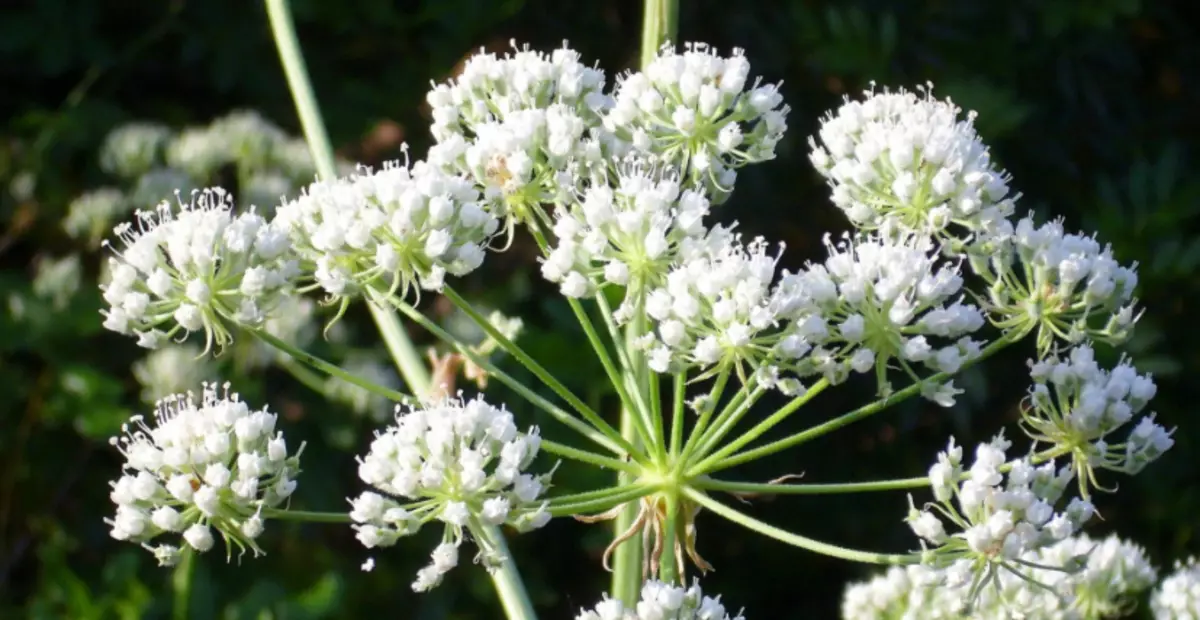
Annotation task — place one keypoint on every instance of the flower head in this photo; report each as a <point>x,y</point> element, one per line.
<point>389,230</point>
<point>662,601</point>
<point>1075,405</point>
<point>200,465</point>
<point>695,111</point>
<point>458,462</point>
<point>133,149</point>
<point>194,269</point>
<point>1178,596</point>
<point>908,161</point>
<point>1066,286</point>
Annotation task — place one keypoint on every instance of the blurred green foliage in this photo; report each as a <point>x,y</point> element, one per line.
<point>1090,105</point>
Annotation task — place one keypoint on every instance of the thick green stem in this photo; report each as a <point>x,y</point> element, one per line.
<point>408,361</point>
<point>332,369</point>
<point>181,585</point>
<point>506,578</point>
<point>803,542</point>
<point>668,570</point>
<point>660,24</point>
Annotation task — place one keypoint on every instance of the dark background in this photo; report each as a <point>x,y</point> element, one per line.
<point>1092,106</point>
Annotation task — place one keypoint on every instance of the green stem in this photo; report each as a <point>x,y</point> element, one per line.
<point>307,516</point>
<point>408,361</point>
<point>660,22</point>
<point>599,494</point>
<point>706,465</point>
<point>668,570</point>
<point>588,457</point>
<point>803,542</point>
<point>332,369</point>
<point>677,406</point>
<point>628,497</point>
<point>767,488</point>
<point>615,443</point>
<point>304,374</point>
<point>181,585</point>
<point>507,579</point>
<point>738,406</point>
<point>710,405</point>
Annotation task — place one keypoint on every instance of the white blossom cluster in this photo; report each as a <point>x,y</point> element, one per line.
<point>518,125</point>
<point>388,230</point>
<point>722,307</point>
<point>1178,596</point>
<point>1102,580</point>
<point>171,370</point>
<point>662,601</point>
<point>627,235</point>
<point>244,137</point>
<point>1065,286</point>
<point>195,268</point>
<point>200,465</point>
<point>1075,404</point>
<point>907,160</point>
<point>458,462</point>
<point>133,149</point>
<point>997,516</point>
<point>91,214</point>
<point>694,111</point>
<point>876,299</point>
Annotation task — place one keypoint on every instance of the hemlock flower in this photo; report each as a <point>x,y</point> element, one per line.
<point>519,125</point>
<point>172,370</point>
<point>996,516</point>
<point>1102,580</point>
<point>458,462</point>
<point>388,230</point>
<point>201,465</point>
<point>662,601</point>
<point>133,149</point>
<point>193,269</point>
<point>694,111</point>
<point>628,234</point>
<point>907,161</point>
<point>879,303</point>
<point>1178,596</point>
<point>91,215</point>
<point>1065,286</point>
<point>1075,405</point>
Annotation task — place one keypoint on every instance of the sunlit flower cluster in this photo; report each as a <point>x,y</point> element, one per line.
<point>1075,579</point>
<point>172,369</point>
<point>194,268</point>
<point>1076,405</point>
<point>662,601</point>
<point>132,150</point>
<point>628,234</point>
<point>907,160</point>
<point>997,516</point>
<point>389,229</point>
<point>1178,597</point>
<point>1065,286</point>
<point>520,125</point>
<point>199,466</point>
<point>694,111</point>
<point>458,462</point>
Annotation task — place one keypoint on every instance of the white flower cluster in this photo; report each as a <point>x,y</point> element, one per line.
<point>517,125</point>
<point>202,465</point>
<point>133,149</point>
<point>694,111</point>
<point>998,519</point>
<point>389,229</point>
<point>1178,596</point>
<point>1064,285</point>
<point>1102,580</point>
<point>1075,404</point>
<point>460,463</point>
<point>195,268</point>
<point>662,601</point>
<point>244,137</point>
<point>906,160</point>
<point>627,235</point>
<point>878,299</point>
<point>721,308</point>
<point>90,215</point>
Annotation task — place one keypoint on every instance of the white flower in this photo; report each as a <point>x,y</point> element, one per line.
<point>201,465</point>
<point>627,234</point>
<point>90,216</point>
<point>1178,596</point>
<point>1066,286</point>
<point>172,370</point>
<point>520,125</point>
<point>696,112</point>
<point>907,160</point>
<point>183,269</point>
<point>662,601</point>
<point>389,230</point>
<point>133,149</point>
<point>462,463</point>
